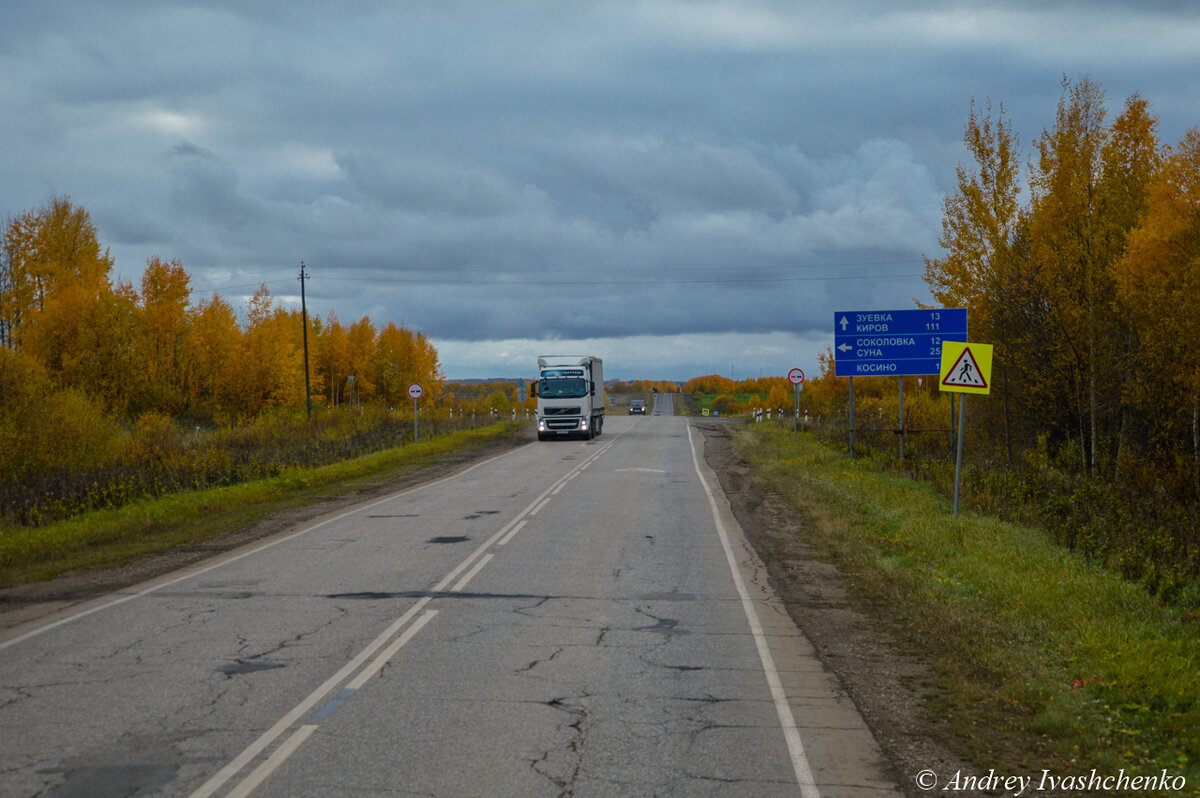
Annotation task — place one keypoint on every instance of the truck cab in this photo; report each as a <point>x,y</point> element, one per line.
<point>570,397</point>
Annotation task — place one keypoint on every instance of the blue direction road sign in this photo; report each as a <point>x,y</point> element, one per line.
<point>894,342</point>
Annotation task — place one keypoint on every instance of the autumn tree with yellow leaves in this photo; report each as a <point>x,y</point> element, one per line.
<point>1158,277</point>
<point>1089,185</point>
<point>96,377</point>
<point>1080,262</point>
<point>983,232</point>
<point>152,349</point>
<point>1040,280</point>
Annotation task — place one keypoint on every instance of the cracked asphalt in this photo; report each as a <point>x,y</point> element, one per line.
<point>563,620</point>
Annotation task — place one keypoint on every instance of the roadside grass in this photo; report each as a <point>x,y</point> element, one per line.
<point>736,404</point>
<point>113,537</point>
<point>1045,660</point>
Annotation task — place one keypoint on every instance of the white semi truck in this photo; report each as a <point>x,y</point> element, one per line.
<point>570,396</point>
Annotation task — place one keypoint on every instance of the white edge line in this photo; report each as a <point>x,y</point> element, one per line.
<point>800,764</point>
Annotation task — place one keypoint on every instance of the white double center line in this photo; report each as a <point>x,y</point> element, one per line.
<point>389,652</point>
<point>472,565</point>
<point>268,737</point>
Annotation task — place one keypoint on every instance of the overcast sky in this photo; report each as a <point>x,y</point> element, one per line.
<point>679,187</point>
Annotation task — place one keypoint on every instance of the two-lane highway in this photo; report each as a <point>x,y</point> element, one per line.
<point>572,618</point>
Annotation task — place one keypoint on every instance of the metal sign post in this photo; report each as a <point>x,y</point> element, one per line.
<point>796,411</point>
<point>851,416</point>
<point>892,343</point>
<point>965,368</point>
<point>415,391</point>
<point>796,377</point>
<point>962,419</point>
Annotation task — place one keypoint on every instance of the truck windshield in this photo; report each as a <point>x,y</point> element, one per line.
<point>563,388</point>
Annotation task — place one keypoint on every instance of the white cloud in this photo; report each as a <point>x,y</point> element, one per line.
<point>673,357</point>
<point>172,123</point>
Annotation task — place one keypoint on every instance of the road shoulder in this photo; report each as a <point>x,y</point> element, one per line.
<point>895,691</point>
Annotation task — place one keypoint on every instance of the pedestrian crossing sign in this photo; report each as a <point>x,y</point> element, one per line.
<point>966,368</point>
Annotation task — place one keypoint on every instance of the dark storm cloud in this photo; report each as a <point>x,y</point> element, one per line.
<point>204,188</point>
<point>716,176</point>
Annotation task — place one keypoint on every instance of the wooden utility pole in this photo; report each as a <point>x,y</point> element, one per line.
<point>304,321</point>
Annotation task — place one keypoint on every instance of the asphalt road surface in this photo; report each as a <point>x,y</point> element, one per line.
<point>568,619</point>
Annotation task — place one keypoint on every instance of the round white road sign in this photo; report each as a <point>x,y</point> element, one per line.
<point>796,376</point>
<point>415,390</point>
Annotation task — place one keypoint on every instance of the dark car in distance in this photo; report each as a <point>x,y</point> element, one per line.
<point>637,406</point>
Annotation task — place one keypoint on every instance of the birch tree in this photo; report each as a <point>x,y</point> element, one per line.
<point>1066,248</point>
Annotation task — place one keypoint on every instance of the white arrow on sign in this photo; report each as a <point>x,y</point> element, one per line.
<point>844,323</point>
<point>844,347</point>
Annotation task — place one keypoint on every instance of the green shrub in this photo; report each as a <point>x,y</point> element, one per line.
<point>1137,526</point>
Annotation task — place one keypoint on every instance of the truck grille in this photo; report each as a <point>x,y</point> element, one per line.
<point>561,411</point>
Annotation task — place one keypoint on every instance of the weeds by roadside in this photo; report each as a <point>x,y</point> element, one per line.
<point>1138,526</point>
<point>158,457</point>
<point>1048,660</point>
<point>117,535</point>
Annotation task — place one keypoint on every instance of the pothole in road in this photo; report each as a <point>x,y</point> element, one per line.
<point>114,780</point>
<point>480,514</point>
<point>664,625</point>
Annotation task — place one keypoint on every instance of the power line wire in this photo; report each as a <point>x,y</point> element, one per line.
<point>664,281</point>
<point>571,277</point>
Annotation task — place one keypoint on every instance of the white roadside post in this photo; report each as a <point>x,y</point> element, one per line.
<point>416,392</point>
